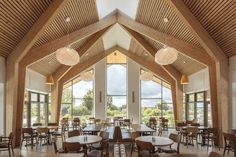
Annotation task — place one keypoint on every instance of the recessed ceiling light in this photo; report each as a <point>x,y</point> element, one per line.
<point>50,62</point>
<point>146,54</point>
<point>67,19</point>
<point>184,62</point>
<point>166,20</point>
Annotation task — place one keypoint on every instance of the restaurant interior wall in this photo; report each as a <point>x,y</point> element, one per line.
<point>100,87</point>
<point>133,91</point>
<point>2,94</point>
<point>36,82</point>
<point>198,81</point>
<point>232,93</point>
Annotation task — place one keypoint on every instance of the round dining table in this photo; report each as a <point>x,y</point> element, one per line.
<point>156,140</point>
<point>85,139</point>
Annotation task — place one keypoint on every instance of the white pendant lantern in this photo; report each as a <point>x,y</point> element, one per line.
<point>67,56</point>
<point>146,76</point>
<point>166,55</point>
<point>87,76</point>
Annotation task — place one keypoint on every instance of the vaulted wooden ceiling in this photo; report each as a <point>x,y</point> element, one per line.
<point>217,17</point>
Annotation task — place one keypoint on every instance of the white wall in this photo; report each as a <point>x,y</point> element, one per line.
<point>198,81</point>
<point>100,89</point>
<point>133,90</point>
<point>2,94</point>
<point>232,93</point>
<point>36,82</point>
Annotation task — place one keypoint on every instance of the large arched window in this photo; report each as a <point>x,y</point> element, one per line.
<point>116,85</point>
<point>78,99</point>
<point>156,100</point>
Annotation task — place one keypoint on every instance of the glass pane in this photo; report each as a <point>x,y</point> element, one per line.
<point>167,97</point>
<point>116,79</point>
<point>83,108</point>
<point>209,115</point>
<point>25,115</point>
<point>150,108</point>
<point>34,113</point>
<point>66,110</point>
<point>200,96</point>
<point>83,89</point>
<point>42,98</point>
<point>190,111</point>
<point>167,110</point>
<point>150,89</point>
<point>26,96</point>
<point>43,114</point>
<point>34,97</point>
<point>200,113</point>
<point>116,106</point>
<point>191,98</point>
<point>67,95</point>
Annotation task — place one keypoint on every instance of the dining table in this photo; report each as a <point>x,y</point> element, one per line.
<point>142,128</point>
<point>65,155</point>
<point>157,141</point>
<point>92,128</point>
<point>85,139</point>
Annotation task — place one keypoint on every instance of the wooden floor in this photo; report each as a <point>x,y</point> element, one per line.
<point>47,150</point>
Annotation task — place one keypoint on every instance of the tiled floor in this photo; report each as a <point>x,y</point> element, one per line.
<point>44,150</point>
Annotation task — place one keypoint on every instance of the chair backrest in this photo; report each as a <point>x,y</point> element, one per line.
<point>37,124</point>
<point>105,144</point>
<point>214,154</point>
<point>229,138</point>
<point>71,147</point>
<point>54,142</point>
<point>192,130</point>
<point>73,133</point>
<point>104,135</point>
<point>176,138</point>
<point>195,124</point>
<point>152,120</point>
<point>26,131</point>
<point>135,134</point>
<point>52,124</point>
<point>97,121</point>
<point>144,146</point>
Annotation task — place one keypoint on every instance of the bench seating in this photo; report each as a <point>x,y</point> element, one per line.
<point>120,135</point>
<point>119,150</point>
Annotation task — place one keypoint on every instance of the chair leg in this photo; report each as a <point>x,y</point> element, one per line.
<point>12,150</point>
<point>132,148</point>
<point>224,151</point>
<point>9,150</point>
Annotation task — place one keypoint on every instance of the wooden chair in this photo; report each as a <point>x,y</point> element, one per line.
<point>42,134</point>
<point>214,154</point>
<point>28,136</point>
<point>73,133</point>
<point>56,150</point>
<point>6,144</point>
<point>230,142</point>
<point>211,135</point>
<point>37,124</point>
<point>72,147</point>
<point>98,146</point>
<point>177,139</point>
<point>60,132</point>
<point>76,124</point>
<point>127,123</point>
<point>152,123</point>
<point>134,135</point>
<point>145,149</point>
<point>191,135</point>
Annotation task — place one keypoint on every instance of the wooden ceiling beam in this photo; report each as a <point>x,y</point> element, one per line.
<point>183,47</point>
<point>37,29</point>
<point>152,51</point>
<point>197,29</point>
<point>44,50</point>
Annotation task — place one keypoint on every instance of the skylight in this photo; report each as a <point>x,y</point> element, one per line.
<point>129,7</point>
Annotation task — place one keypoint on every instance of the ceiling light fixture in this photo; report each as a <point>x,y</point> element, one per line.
<point>49,80</point>
<point>184,79</point>
<point>67,55</point>
<point>146,76</point>
<point>166,55</point>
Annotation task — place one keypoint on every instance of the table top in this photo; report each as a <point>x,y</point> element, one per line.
<point>178,155</point>
<point>199,127</point>
<point>141,128</point>
<point>159,141</point>
<point>81,139</point>
<point>49,127</point>
<point>93,128</point>
<point>65,155</point>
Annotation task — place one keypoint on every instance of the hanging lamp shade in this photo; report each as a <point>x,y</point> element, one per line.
<point>166,55</point>
<point>184,79</point>
<point>67,56</point>
<point>146,76</point>
<point>49,80</point>
<point>87,76</point>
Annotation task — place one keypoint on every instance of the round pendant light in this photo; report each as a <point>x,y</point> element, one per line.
<point>49,80</point>
<point>166,55</point>
<point>184,79</point>
<point>67,56</point>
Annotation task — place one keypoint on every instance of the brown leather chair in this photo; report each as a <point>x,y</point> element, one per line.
<point>134,135</point>
<point>76,124</point>
<point>214,154</point>
<point>230,142</point>
<point>72,147</point>
<point>42,134</point>
<point>6,144</point>
<point>28,136</point>
<point>73,133</point>
<point>145,149</point>
<point>177,139</point>
<point>211,135</point>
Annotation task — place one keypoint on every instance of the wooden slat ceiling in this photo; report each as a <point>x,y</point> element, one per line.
<point>16,19</point>
<point>49,64</point>
<point>152,13</point>
<point>218,17</point>
<point>81,13</point>
<point>183,64</point>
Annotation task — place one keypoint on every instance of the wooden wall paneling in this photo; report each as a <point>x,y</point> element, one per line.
<point>15,71</point>
<point>213,50</point>
<point>76,36</point>
<point>76,70</point>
